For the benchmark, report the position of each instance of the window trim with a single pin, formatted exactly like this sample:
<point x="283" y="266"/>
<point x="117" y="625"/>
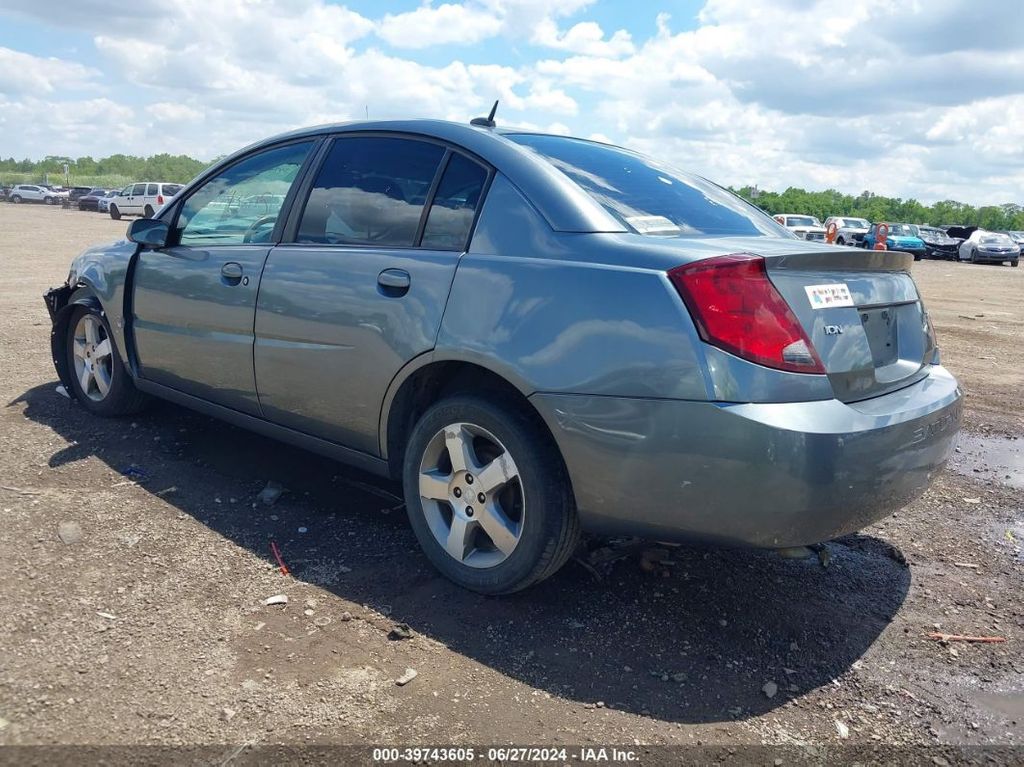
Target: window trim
<point x="291" y="230"/>
<point x="317" y="142"/>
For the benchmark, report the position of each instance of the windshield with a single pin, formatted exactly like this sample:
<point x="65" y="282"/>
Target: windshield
<point x="649" y="197"/>
<point x="855" y="223"/>
<point x="901" y="230"/>
<point x="802" y="221"/>
<point x="932" y="231"/>
<point x="995" y="239"/>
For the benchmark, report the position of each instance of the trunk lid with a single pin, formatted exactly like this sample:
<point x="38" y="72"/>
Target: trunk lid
<point x="862" y="313"/>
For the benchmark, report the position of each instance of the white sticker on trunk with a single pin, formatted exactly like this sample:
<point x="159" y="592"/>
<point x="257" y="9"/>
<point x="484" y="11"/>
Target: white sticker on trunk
<point x="827" y="296"/>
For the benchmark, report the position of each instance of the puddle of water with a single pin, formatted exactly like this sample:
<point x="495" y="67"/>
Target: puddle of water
<point x="1009" y="704"/>
<point x="1000" y="459"/>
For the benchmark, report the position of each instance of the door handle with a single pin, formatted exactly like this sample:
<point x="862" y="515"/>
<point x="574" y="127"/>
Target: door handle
<point x="394" y="282"/>
<point x="231" y="272"/>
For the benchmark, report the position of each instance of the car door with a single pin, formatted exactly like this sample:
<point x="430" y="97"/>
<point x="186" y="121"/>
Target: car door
<point x="194" y="300"/>
<point x="133" y="202"/>
<point x="359" y="287"/>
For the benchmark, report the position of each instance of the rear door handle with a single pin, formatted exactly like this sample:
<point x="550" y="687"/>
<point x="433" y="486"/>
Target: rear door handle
<point x="394" y="282"/>
<point x="231" y="272"/>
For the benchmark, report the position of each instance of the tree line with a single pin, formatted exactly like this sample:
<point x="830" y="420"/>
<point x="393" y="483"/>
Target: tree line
<point x="877" y="208"/>
<point x="121" y="168"/>
<point x="160" y="167"/>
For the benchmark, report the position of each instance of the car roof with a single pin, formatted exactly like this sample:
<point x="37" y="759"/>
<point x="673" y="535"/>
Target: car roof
<point x="564" y="205"/>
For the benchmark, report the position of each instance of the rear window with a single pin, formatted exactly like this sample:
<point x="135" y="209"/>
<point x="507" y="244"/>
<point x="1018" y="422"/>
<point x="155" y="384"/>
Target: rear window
<point x="801" y="221"/>
<point x="171" y="189"/>
<point x="647" y="196"/>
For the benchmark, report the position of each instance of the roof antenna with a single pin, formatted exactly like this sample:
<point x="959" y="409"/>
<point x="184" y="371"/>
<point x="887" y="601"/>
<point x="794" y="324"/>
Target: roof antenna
<point x="486" y="122"/>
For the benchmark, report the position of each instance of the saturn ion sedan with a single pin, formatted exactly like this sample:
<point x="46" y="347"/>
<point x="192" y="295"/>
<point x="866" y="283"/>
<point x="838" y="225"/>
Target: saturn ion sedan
<point x="537" y="335"/>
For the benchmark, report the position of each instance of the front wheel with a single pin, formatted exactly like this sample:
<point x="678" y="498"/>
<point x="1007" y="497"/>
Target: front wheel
<point x="16" y="199"/>
<point x="100" y="380"/>
<point x="1015" y="263"/>
<point x="487" y="495"/>
<point x="115" y="213"/>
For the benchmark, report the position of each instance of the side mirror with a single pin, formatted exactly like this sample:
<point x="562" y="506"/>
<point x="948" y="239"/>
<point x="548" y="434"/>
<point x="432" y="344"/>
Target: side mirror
<point x="148" y="232"/>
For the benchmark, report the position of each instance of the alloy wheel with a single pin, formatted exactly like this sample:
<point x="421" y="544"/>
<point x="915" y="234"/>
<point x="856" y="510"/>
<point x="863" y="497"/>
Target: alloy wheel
<point x="472" y="495"/>
<point x="92" y="355"/>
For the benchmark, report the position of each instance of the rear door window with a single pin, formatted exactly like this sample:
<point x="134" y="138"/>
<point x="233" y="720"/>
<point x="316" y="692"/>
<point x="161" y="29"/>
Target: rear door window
<point x="138" y="189"/>
<point x="454" y="205"/>
<point x="370" y="190"/>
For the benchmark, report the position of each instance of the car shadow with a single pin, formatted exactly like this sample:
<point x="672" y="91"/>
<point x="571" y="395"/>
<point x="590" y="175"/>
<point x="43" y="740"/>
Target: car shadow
<point x="693" y="640"/>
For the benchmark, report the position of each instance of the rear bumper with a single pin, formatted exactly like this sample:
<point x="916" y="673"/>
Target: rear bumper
<point x="768" y="475"/>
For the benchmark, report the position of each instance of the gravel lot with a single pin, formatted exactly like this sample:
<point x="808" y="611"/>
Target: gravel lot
<point x="133" y="605"/>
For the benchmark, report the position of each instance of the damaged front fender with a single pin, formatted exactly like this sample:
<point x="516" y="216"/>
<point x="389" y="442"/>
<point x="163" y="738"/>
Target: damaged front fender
<point x="60" y="303"/>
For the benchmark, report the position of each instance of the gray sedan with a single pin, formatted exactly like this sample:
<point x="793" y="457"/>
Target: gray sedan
<point x="538" y="335"/>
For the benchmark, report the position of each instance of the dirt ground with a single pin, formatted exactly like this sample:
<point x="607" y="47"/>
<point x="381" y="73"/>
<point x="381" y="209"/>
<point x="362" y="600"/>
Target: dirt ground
<point x="137" y="561"/>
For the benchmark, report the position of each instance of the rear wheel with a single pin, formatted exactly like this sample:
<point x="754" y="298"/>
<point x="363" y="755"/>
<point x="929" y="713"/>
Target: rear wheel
<point x="487" y="496"/>
<point x="148" y="212"/>
<point x="115" y="213"/>
<point x="101" y="383"/>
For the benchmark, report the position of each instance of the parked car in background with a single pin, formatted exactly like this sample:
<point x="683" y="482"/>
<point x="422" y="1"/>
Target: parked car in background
<point x="983" y="246"/>
<point x="91" y="201"/>
<point x="938" y="244"/>
<point x="527" y="331"/>
<point x="142" y="199"/>
<point x="901" y="237"/>
<point x="35" y="193"/>
<point x="849" y="231"/>
<point x="103" y="203"/>
<point x="1017" y="237"/>
<point x="4" y="190"/>
<point x="75" y="193"/>
<point x="804" y="227"/>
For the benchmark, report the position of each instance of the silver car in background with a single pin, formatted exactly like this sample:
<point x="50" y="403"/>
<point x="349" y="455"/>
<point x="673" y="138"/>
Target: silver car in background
<point x="982" y="246"/>
<point x="537" y="335"/>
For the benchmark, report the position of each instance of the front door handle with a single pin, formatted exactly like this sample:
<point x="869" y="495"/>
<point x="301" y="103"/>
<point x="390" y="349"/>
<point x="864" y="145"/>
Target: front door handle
<point x="231" y="272"/>
<point x="394" y="282"/>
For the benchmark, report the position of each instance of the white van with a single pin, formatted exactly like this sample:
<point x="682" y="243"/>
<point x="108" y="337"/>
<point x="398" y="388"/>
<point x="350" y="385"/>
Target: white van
<point x="142" y="199"/>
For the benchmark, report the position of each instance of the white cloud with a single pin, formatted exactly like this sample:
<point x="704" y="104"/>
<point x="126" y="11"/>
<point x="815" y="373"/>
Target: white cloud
<point x="586" y="38"/>
<point x="22" y="73"/>
<point x="441" y="25"/>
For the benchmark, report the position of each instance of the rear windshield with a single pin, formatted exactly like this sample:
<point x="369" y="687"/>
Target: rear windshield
<point x="802" y="221"/>
<point x="647" y="196"/>
<point x="903" y="230"/>
<point x="171" y="189"/>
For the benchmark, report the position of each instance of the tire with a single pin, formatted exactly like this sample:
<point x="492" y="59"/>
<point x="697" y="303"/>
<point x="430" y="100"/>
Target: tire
<point x="16" y="199"/>
<point x="115" y="213"/>
<point x="1015" y="263"/>
<point x="99" y="378"/>
<point x="974" y="255"/>
<point x="840" y="241"/>
<point x="539" y="526"/>
<point x="148" y="212"/>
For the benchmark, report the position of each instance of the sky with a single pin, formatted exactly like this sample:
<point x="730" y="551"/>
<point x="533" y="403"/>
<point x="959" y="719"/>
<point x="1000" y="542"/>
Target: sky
<point x="907" y="98"/>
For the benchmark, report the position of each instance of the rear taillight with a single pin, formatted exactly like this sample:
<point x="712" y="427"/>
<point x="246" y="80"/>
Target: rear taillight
<point x="159" y="199"/>
<point x="737" y="308"/>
